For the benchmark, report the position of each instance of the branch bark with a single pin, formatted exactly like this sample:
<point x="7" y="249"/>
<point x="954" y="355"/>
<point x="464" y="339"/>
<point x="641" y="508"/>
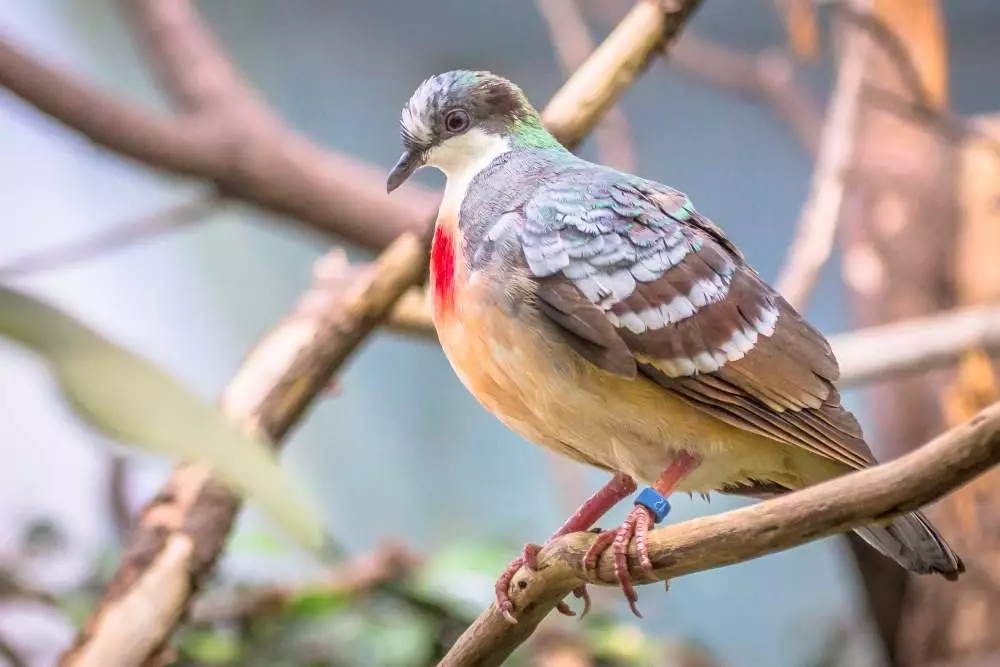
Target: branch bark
<point x="181" y="533"/>
<point x="573" y="44"/>
<point x="246" y="158"/>
<point x="873" y="495"/>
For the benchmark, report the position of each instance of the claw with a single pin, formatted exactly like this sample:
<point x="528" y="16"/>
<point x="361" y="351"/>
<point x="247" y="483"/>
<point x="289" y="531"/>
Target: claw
<point x="582" y="593"/>
<point x="635" y="526"/>
<point x="528" y="559"/>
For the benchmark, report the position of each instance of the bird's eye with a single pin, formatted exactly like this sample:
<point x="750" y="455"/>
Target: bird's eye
<point x="456" y="121"/>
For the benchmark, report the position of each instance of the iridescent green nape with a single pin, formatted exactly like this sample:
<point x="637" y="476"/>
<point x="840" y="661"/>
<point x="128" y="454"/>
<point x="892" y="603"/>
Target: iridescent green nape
<point x="529" y="133"/>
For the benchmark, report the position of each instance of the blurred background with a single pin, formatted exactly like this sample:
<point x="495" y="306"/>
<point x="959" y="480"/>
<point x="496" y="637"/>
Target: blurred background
<point x="733" y="120"/>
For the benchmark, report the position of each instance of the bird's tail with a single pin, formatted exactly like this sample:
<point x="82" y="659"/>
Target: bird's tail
<point x="913" y="542"/>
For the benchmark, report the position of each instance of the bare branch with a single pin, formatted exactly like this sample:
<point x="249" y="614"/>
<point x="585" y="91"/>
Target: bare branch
<point x="182" y="531"/>
<point x="881" y="352"/>
<point x="358" y="575"/>
<point x="865" y="355"/>
<point x="839" y="505"/>
<point x="799" y="17"/>
<point x="572" y="43"/>
<point x="13" y="588"/>
<point x="117" y="498"/>
<point x="127" y="234"/>
<point x="11" y="655"/>
<point x="179" y="147"/>
<point x="595" y="87"/>
<point x="817" y="226"/>
<point x="768" y="77"/>
<point x="190" y="63"/>
<point x="262" y="164"/>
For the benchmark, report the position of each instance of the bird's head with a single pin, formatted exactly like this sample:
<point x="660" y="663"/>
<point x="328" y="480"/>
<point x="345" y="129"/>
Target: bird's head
<point x="461" y="120"/>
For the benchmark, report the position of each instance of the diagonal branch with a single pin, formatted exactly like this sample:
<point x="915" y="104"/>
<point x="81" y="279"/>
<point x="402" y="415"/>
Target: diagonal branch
<point x="839" y="505"/>
<point x="127" y="234"/>
<point x="572" y="43"/>
<point x="181" y="533"/>
<point x="246" y="159"/>
<point x="190" y="63"/>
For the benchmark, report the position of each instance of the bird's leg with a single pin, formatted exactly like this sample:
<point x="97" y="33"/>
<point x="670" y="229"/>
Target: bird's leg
<point x="617" y="489"/>
<point x="651" y="507"/>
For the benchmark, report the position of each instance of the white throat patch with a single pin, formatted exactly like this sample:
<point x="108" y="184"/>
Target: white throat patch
<point x="464" y="156"/>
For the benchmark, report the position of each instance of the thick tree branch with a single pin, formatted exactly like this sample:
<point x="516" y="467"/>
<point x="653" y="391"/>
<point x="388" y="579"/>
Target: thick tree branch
<point x="595" y="87"/>
<point x="844" y="503"/>
<point x="190" y="63"/>
<point x="244" y="157"/>
<point x="181" y="532"/>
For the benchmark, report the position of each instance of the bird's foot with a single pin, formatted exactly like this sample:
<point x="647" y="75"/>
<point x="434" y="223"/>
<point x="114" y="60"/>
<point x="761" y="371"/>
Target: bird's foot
<point x="636" y="525"/>
<point x="529" y="559"/>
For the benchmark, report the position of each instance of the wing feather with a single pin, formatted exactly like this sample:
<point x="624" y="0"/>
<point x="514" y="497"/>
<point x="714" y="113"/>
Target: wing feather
<point x="639" y="282"/>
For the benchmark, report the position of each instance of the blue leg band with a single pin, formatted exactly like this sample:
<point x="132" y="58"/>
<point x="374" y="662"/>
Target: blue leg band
<point x="651" y="499"/>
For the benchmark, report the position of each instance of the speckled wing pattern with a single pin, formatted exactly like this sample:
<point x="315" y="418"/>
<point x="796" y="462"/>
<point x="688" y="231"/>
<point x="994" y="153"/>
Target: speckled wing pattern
<point x="639" y="282"/>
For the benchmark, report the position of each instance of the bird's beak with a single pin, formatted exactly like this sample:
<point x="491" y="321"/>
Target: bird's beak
<point x="411" y="160"/>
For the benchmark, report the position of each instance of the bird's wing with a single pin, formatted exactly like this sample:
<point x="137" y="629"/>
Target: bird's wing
<point x="639" y="282"/>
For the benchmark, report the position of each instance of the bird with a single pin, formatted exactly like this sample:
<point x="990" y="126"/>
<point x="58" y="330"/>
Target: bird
<point x="602" y="316"/>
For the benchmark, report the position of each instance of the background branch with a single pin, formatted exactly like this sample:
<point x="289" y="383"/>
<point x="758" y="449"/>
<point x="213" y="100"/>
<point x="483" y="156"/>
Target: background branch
<point x="768" y="77"/>
<point x="181" y="532"/>
<point x="127" y="234"/>
<point x="573" y="44"/>
<point x="835" y="506"/>
<point x="817" y="227"/>
<point x="257" y="163"/>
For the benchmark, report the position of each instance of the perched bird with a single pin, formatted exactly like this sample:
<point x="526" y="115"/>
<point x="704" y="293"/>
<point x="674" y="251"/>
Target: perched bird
<point x="600" y="315"/>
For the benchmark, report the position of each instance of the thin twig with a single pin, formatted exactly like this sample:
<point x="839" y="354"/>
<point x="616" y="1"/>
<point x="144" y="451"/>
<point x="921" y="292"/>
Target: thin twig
<point x="816" y="230"/>
<point x="801" y="26"/>
<point x="117" y="498"/>
<point x="13" y="588"/>
<point x="873" y="495"/>
<point x="127" y="234"/>
<point x="867" y="355"/>
<point x="11" y="655"/>
<point x="360" y="574"/>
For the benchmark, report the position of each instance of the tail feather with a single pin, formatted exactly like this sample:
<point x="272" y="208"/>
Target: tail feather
<point x="913" y="542"/>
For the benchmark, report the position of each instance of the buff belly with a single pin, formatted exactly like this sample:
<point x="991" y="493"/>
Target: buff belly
<point x="519" y="369"/>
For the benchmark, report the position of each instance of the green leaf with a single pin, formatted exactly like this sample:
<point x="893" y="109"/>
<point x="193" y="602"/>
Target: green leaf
<point x="129" y="399"/>
<point x="210" y="648"/>
<point x="311" y="604"/>
<point x="463" y="572"/>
